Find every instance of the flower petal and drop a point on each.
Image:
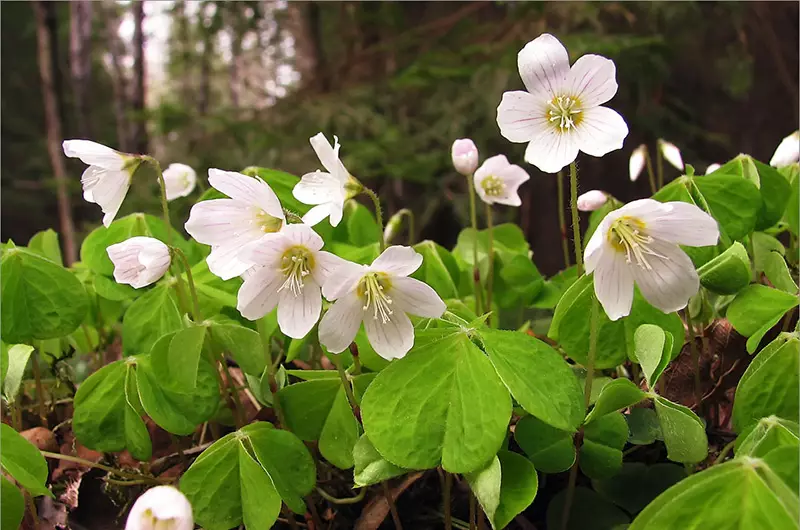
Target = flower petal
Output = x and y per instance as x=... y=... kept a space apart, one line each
x=712 y=168
x=601 y=131
x=521 y=116
x=597 y=245
x=107 y=189
x=329 y=156
x=392 y=339
x=681 y=223
x=415 y=297
x=225 y=261
x=248 y=190
x=671 y=281
x=180 y=180
x=636 y=163
x=339 y=325
x=671 y=154
x=215 y=221
x=544 y=66
x=343 y=279
x=258 y=294
x=266 y=251
x=301 y=234
x=788 y=151
x=591 y=200
x=297 y=314
x=325 y=265
x=318 y=188
x=613 y=283
x=552 y=151
x=593 y=79
x=337 y=211
x=94 y=154
x=397 y=260
x=317 y=214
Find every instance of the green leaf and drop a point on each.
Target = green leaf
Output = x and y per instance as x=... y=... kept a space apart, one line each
x=18 y=356
x=439 y=269
x=729 y=495
x=13 y=504
x=793 y=203
x=643 y=426
x=454 y=408
x=137 y=437
x=774 y=188
x=538 y=378
x=636 y=485
x=41 y=300
x=3 y=363
x=784 y=461
x=769 y=386
x=261 y=503
x=111 y=290
x=649 y=342
x=588 y=511
x=361 y=226
x=729 y=272
x=766 y=435
x=684 y=433
x=45 y=244
x=176 y=364
x=244 y=345
x=213 y=293
x=99 y=418
x=213 y=485
x=756 y=309
x=762 y=246
x=734 y=202
x=518 y=487
x=551 y=450
x=23 y=461
x=485 y=484
x=617 y=394
x=603 y=440
x=370 y=467
x=778 y=272
x=149 y=318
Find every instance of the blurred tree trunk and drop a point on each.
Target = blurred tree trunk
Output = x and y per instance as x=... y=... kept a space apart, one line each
x=138 y=95
x=81 y=62
x=119 y=83
x=205 y=72
x=300 y=19
x=45 y=13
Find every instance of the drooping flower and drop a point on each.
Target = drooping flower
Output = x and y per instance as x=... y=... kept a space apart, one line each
x=107 y=179
x=788 y=151
x=327 y=191
x=180 y=180
x=560 y=114
x=139 y=261
x=379 y=295
x=671 y=154
x=497 y=181
x=228 y=225
x=592 y=200
x=638 y=243
x=465 y=156
x=712 y=168
x=161 y=508
x=637 y=161
x=290 y=271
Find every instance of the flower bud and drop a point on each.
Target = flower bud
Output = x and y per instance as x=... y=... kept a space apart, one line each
x=671 y=154
x=465 y=156
x=161 y=508
x=592 y=200
x=139 y=261
x=180 y=180
x=788 y=151
x=636 y=163
x=712 y=168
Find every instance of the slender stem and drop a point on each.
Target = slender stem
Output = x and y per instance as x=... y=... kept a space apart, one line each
x=481 y=525
x=392 y=507
x=346 y=500
x=490 y=278
x=348 y=388
x=724 y=452
x=109 y=469
x=576 y=220
x=659 y=166
x=476 y=275
x=698 y=390
x=163 y=185
x=378 y=213
x=472 y=510
x=356 y=358
x=650 y=175
x=411 y=226
x=37 y=375
x=562 y=221
x=240 y=416
x=448 y=485
x=573 y=478
x=32 y=508
x=290 y=517
x=314 y=513
x=190 y=280
x=272 y=369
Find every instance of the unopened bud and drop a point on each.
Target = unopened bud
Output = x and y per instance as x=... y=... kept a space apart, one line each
x=712 y=168
x=354 y=349
x=465 y=156
x=162 y=507
x=671 y=153
x=592 y=200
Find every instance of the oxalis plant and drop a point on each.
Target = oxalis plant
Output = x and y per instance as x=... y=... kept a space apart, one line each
x=290 y=342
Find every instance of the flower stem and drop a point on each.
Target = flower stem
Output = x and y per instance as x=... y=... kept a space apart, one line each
x=271 y=371
x=392 y=507
x=659 y=166
x=88 y=463
x=410 y=216
x=724 y=452
x=562 y=221
x=348 y=388
x=476 y=276
x=698 y=390
x=472 y=503
x=240 y=416
x=576 y=220
x=37 y=376
x=448 y=485
x=163 y=185
x=190 y=280
x=490 y=275
x=653 y=187
x=346 y=500
x=378 y=213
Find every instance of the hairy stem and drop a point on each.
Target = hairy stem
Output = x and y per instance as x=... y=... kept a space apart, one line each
x=272 y=369
x=476 y=276
x=659 y=166
x=37 y=376
x=562 y=221
x=109 y=469
x=576 y=220
x=490 y=274
x=376 y=202
x=190 y=280
x=653 y=186
x=348 y=388
x=698 y=389
x=163 y=185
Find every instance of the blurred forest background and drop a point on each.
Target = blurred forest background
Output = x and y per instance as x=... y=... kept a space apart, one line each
x=234 y=84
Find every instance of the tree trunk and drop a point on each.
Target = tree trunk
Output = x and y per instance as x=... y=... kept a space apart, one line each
x=205 y=72
x=138 y=96
x=118 y=79
x=44 y=38
x=81 y=61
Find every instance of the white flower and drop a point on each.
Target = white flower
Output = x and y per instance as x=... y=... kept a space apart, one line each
x=327 y=191
x=639 y=243
x=465 y=156
x=228 y=225
x=107 y=179
x=139 y=261
x=712 y=168
x=788 y=152
x=637 y=161
x=380 y=295
x=671 y=154
x=560 y=114
x=290 y=272
x=592 y=200
x=497 y=181
x=161 y=508
x=180 y=180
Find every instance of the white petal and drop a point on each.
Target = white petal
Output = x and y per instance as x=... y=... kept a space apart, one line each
x=266 y=251
x=397 y=260
x=521 y=116
x=681 y=223
x=392 y=339
x=636 y=163
x=597 y=245
x=544 y=66
x=225 y=261
x=329 y=156
x=712 y=168
x=552 y=151
x=591 y=200
x=318 y=188
x=415 y=297
x=248 y=190
x=593 y=80
x=613 y=283
x=180 y=180
x=94 y=154
x=139 y=261
x=788 y=151
x=671 y=154
x=337 y=210
x=298 y=314
x=339 y=325
x=672 y=280
x=107 y=189
x=301 y=234
x=317 y=214
x=168 y=505
x=325 y=264
x=465 y=156
x=258 y=294
x=601 y=131
x=216 y=221
x=343 y=279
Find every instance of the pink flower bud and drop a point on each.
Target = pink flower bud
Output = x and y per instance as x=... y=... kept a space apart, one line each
x=465 y=156
x=591 y=200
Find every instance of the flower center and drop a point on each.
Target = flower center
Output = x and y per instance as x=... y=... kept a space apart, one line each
x=493 y=186
x=627 y=235
x=296 y=263
x=564 y=112
x=372 y=288
x=151 y=522
x=267 y=223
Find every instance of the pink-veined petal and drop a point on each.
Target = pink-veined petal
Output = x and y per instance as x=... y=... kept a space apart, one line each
x=258 y=294
x=215 y=221
x=266 y=251
x=318 y=188
x=415 y=297
x=593 y=79
x=552 y=151
x=521 y=116
x=225 y=261
x=317 y=214
x=397 y=260
x=544 y=66
x=297 y=314
x=106 y=189
x=681 y=223
x=613 y=283
x=671 y=281
x=94 y=154
x=248 y=190
x=600 y=131
x=597 y=244
x=325 y=264
x=180 y=180
x=392 y=339
x=301 y=234
x=329 y=156
x=343 y=279
x=340 y=323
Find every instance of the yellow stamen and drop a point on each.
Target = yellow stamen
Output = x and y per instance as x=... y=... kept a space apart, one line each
x=493 y=186
x=373 y=288
x=564 y=112
x=296 y=263
x=627 y=234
